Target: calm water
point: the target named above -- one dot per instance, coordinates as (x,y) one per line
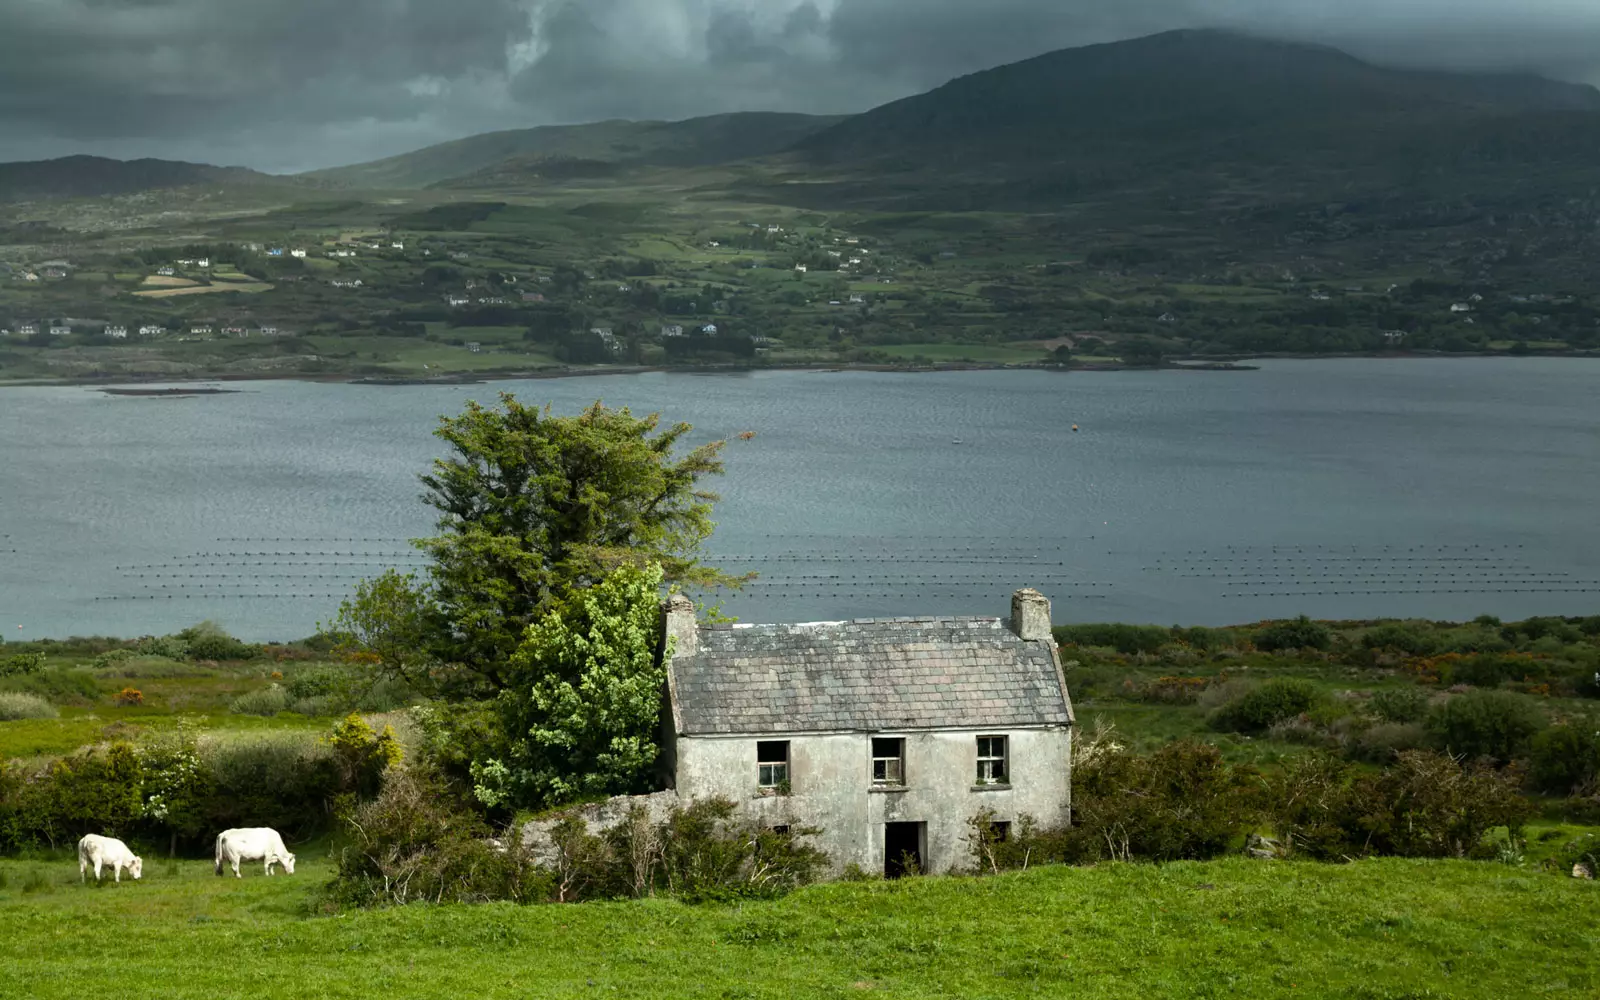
(1335,488)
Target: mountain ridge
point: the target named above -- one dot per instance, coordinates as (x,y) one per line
(703,141)
(84,176)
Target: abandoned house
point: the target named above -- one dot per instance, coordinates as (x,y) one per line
(888,734)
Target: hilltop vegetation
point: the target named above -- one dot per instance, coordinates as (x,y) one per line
(1190,195)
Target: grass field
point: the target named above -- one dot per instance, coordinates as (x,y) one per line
(228,286)
(167,281)
(985,353)
(1378,929)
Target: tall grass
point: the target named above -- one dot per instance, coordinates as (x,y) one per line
(15,705)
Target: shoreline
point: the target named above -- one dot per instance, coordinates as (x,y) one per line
(1228,363)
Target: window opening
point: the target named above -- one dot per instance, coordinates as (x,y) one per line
(992,762)
(888,761)
(772,764)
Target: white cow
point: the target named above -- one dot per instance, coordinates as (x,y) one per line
(107,851)
(252,844)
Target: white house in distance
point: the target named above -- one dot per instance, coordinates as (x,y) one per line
(888,734)
(117,332)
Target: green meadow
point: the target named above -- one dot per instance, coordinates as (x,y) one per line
(1374,929)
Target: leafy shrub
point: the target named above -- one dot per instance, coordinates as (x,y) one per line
(16,705)
(1400,638)
(1174,690)
(317,682)
(1126,639)
(112,657)
(1259,708)
(1403,704)
(179,786)
(1584,850)
(22,664)
(1534,629)
(1565,761)
(704,855)
(1427,805)
(1493,724)
(168,647)
(1478,640)
(267,702)
(415,843)
(93,791)
(285,780)
(1180,802)
(363,754)
(208,641)
(1301,633)
(1490,670)
(1207,640)
(1381,743)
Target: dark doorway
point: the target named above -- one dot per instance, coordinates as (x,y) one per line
(902,849)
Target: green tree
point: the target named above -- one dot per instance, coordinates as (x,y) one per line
(533,509)
(389,625)
(583,716)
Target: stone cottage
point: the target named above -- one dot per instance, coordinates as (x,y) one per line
(888,734)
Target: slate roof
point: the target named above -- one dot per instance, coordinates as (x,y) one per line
(867,675)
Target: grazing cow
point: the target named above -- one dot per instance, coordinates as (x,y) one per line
(107,851)
(252,844)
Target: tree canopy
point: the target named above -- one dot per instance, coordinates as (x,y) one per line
(533,509)
(582,718)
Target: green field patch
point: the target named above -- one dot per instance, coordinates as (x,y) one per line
(982,353)
(1227,291)
(1390,928)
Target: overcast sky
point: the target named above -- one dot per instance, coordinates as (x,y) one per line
(286,85)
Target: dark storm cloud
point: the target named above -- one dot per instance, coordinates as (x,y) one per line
(290,83)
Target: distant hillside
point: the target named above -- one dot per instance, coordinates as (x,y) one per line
(696,142)
(1208,107)
(94,176)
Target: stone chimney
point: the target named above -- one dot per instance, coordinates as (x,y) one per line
(682,628)
(1030,615)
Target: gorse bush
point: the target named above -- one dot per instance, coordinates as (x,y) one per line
(1492,724)
(16,705)
(1258,709)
